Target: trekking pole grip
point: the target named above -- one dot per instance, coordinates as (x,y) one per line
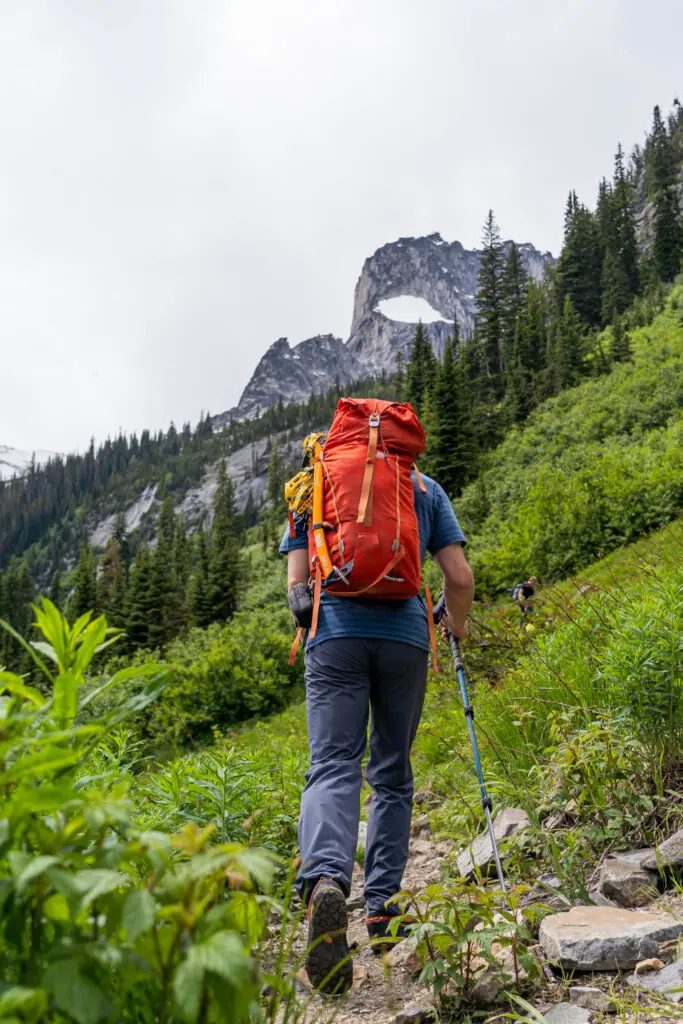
(457,653)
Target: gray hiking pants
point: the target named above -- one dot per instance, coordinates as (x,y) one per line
(346,678)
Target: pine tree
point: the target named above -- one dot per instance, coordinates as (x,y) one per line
(161,582)
(112,586)
(140,600)
(489,311)
(84,596)
(621,346)
(55,590)
(513,301)
(564,360)
(667,205)
(17,591)
(579,269)
(625,214)
(226,571)
(181,577)
(421,370)
(121,537)
(199,592)
(399,379)
(451,450)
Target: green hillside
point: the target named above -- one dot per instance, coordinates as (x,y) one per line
(590,470)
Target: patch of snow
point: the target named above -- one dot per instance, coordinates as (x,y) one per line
(409,309)
(438,241)
(15,462)
(445,270)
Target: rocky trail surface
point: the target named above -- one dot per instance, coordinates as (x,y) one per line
(620,958)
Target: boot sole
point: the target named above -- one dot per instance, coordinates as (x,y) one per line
(328,945)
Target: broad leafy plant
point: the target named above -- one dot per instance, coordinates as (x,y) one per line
(100,921)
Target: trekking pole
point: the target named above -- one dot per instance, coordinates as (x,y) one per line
(486,802)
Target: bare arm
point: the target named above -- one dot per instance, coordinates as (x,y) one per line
(458,588)
(297,567)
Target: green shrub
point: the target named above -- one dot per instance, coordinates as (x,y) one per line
(228,674)
(100,920)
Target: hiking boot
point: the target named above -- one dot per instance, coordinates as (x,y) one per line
(327,943)
(378,929)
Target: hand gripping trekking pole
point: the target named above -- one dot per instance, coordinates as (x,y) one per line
(486,803)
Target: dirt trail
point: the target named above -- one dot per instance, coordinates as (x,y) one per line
(380,991)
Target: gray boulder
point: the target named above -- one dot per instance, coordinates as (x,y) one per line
(415,1013)
(479,856)
(627,884)
(567,1013)
(605,938)
(592,998)
(668,854)
(665,982)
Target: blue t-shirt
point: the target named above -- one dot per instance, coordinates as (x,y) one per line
(387,620)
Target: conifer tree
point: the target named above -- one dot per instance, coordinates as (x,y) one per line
(489,311)
(226,571)
(579,269)
(140,599)
(17,591)
(121,537)
(625,215)
(621,346)
(421,370)
(451,451)
(55,591)
(181,576)
(399,378)
(161,581)
(513,289)
(112,585)
(668,240)
(84,596)
(199,594)
(564,361)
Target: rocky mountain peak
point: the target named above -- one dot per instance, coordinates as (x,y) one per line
(442,275)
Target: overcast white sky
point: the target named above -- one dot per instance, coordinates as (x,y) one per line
(184,181)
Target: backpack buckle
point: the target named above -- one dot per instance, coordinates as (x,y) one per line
(374,419)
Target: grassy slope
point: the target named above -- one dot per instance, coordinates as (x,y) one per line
(593,469)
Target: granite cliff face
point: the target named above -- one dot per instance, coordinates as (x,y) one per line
(443,274)
(293,373)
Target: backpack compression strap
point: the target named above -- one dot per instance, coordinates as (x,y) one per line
(365,503)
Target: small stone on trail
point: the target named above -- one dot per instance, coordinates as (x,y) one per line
(360,976)
(669,853)
(665,982)
(404,956)
(567,1013)
(479,855)
(592,998)
(420,824)
(647,966)
(415,1013)
(626,883)
(605,938)
(362,835)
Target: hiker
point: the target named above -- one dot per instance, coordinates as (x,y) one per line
(523,594)
(366,652)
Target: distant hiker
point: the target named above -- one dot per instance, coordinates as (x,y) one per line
(361,521)
(523,595)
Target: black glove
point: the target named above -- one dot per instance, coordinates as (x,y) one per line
(301,603)
(439,610)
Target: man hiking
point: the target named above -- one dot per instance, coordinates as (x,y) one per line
(523,595)
(367,653)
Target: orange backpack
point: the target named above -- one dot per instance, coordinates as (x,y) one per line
(364,539)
